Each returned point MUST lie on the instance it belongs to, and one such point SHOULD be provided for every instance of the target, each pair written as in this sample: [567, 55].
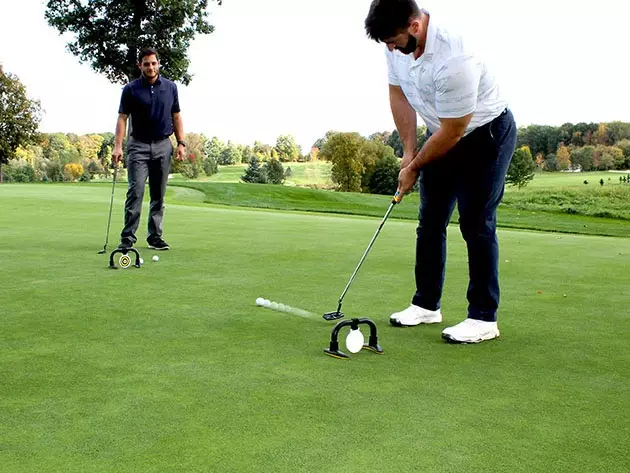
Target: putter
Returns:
[337, 314]
[109, 220]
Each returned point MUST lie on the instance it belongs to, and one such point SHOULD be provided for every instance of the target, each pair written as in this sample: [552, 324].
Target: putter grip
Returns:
[396, 198]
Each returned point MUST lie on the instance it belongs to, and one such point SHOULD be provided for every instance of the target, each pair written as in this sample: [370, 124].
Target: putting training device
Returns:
[354, 342]
[337, 314]
[124, 260]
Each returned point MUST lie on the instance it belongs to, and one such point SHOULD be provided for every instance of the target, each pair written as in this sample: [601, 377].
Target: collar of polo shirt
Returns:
[158, 81]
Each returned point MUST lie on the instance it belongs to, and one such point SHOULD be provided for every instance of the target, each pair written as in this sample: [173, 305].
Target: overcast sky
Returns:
[305, 67]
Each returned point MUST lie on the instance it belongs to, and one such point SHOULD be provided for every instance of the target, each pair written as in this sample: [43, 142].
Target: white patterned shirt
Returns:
[447, 81]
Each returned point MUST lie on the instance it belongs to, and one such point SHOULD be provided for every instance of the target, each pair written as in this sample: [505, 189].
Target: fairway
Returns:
[173, 368]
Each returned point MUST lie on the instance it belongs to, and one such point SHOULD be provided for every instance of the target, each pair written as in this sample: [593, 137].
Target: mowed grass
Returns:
[576, 179]
[530, 217]
[172, 367]
[315, 174]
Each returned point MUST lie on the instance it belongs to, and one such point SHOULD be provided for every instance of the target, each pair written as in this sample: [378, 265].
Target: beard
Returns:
[410, 47]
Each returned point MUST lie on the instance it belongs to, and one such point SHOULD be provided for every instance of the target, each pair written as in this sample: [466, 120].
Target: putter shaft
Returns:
[395, 200]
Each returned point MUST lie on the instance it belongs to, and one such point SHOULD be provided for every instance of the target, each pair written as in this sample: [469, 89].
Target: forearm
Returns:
[121, 127]
[178, 126]
[440, 143]
[405, 120]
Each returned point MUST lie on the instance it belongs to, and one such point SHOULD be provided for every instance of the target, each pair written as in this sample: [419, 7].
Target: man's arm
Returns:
[457, 83]
[178, 125]
[405, 120]
[121, 127]
[442, 141]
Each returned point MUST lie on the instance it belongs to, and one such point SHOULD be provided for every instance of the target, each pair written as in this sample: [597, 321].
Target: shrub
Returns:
[274, 171]
[384, 179]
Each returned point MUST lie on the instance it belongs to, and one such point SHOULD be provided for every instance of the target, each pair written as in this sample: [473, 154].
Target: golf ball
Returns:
[141, 261]
[155, 258]
[260, 301]
[274, 305]
[266, 303]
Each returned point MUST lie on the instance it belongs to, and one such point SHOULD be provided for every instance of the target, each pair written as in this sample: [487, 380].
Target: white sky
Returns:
[305, 67]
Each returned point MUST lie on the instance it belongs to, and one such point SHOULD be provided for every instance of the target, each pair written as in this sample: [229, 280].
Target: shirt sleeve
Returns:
[456, 87]
[125, 100]
[175, 107]
[391, 69]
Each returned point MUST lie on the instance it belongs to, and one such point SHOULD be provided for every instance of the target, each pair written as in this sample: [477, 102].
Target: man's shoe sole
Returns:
[397, 323]
[449, 339]
[151, 247]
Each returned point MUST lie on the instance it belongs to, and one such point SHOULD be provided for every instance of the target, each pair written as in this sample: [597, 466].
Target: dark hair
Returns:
[387, 17]
[147, 52]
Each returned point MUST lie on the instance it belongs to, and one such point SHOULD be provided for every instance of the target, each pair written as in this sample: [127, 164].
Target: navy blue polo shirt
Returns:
[151, 107]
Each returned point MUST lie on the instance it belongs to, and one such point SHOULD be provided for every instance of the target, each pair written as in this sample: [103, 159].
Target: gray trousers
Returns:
[152, 160]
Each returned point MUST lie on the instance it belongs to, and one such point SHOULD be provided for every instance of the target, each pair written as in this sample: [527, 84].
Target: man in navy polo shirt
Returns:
[153, 103]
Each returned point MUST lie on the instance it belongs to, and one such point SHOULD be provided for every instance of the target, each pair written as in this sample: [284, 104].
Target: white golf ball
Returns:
[260, 301]
[266, 303]
[274, 305]
[155, 258]
[141, 261]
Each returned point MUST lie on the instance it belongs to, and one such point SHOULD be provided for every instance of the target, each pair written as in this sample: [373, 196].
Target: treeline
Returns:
[359, 164]
[67, 157]
[583, 146]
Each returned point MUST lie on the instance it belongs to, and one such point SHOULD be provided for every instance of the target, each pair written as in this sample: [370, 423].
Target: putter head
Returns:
[333, 315]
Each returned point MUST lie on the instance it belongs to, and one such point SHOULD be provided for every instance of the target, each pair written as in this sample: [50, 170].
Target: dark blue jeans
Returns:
[473, 175]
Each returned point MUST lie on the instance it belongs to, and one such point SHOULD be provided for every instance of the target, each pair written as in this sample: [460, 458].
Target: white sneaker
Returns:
[471, 331]
[415, 315]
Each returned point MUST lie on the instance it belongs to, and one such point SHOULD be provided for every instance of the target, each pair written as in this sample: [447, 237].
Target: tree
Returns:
[105, 153]
[262, 151]
[624, 146]
[19, 117]
[601, 135]
[109, 35]
[214, 148]
[320, 142]
[343, 150]
[89, 146]
[539, 138]
[583, 157]
[550, 163]
[287, 149]
[254, 173]
[563, 158]
[396, 143]
[231, 154]
[247, 153]
[210, 166]
[381, 136]
[371, 153]
[273, 172]
[384, 179]
[522, 167]
[618, 131]
[608, 157]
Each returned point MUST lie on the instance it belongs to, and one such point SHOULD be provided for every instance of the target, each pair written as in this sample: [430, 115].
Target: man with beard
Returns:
[153, 103]
[472, 136]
